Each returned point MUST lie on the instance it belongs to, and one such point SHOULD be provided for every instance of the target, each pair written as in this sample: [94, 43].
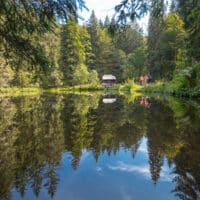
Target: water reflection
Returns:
[145, 101]
[50, 144]
[109, 98]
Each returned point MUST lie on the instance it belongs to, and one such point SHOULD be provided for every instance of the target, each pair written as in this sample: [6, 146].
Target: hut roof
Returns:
[108, 77]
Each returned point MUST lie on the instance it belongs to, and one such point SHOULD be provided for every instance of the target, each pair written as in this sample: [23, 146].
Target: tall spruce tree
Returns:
[72, 51]
[101, 46]
[86, 42]
[154, 32]
[106, 22]
[94, 29]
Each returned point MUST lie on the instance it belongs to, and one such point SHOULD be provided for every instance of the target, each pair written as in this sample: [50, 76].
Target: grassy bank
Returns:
[129, 88]
[77, 88]
[171, 89]
[177, 89]
[16, 91]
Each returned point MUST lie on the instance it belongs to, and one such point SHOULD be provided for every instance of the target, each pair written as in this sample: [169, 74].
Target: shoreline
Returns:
[127, 88]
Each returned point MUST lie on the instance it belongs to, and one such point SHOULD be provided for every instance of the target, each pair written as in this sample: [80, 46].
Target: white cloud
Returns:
[121, 166]
[98, 169]
[165, 175]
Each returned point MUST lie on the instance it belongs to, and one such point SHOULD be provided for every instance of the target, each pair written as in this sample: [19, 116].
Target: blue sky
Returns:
[106, 7]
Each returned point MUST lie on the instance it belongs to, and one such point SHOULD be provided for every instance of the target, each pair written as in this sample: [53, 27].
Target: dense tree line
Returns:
[36, 50]
[173, 38]
[172, 41]
[77, 54]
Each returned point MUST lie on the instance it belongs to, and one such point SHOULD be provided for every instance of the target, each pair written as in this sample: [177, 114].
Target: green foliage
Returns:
[167, 34]
[171, 39]
[75, 55]
[93, 77]
[108, 58]
[51, 45]
[7, 74]
[101, 46]
[16, 91]
[37, 51]
[128, 39]
[55, 79]
[25, 75]
[189, 11]
[181, 61]
[93, 29]
[135, 65]
[20, 21]
[154, 33]
[131, 88]
[196, 67]
[23, 78]
[185, 76]
[117, 59]
[80, 75]
[86, 42]
[72, 51]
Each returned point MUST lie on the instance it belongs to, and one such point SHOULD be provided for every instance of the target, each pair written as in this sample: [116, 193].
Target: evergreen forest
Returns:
[64, 134]
[43, 45]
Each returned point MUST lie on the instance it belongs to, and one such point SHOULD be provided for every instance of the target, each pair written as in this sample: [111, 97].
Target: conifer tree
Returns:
[86, 42]
[94, 29]
[107, 22]
[72, 51]
[154, 31]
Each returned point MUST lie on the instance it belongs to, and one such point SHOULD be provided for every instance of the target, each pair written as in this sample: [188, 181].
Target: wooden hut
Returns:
[108, 80]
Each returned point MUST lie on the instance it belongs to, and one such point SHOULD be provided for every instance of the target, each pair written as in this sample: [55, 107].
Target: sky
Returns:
[101, 8]
[106, 7]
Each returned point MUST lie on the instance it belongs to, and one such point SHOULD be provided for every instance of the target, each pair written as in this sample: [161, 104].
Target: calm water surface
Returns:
[86, 147]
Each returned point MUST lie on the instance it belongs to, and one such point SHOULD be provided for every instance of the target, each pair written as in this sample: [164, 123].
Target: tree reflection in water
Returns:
[35, 131]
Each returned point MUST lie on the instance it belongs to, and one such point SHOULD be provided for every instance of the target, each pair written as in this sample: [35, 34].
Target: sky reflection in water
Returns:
[78, 148]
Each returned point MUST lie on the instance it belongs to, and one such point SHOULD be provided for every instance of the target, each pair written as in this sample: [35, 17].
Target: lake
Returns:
[102, 147]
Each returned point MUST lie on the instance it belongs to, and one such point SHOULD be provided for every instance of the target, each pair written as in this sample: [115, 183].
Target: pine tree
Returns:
[72, 51]
[86, 42]
[155, 27]
[94, 29]
[106, 56]
[107, 22]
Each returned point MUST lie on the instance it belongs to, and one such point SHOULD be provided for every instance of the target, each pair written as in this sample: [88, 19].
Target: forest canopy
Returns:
[42, 43]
